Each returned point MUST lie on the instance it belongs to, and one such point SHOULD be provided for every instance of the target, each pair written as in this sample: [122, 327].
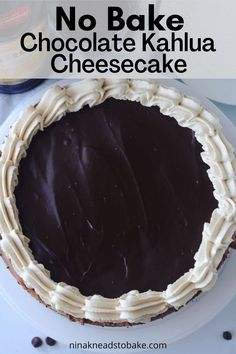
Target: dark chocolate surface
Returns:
[114, 198]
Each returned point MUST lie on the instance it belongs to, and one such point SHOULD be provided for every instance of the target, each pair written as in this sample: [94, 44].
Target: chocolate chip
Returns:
[50, 341]
[36, 342]
[227, 335]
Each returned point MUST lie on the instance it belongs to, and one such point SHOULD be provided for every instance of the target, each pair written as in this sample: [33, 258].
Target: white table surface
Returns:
[16, 333]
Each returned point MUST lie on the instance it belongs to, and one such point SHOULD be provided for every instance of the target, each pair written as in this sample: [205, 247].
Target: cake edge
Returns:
[218, 233]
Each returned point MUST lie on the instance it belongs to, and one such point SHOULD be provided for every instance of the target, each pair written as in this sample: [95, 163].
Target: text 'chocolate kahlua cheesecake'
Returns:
[117, 200]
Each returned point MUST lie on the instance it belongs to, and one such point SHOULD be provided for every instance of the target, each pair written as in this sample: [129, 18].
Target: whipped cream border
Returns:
[133, 307]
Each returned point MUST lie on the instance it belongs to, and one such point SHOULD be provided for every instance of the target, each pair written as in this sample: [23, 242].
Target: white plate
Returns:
[220, 90]
[170, 329]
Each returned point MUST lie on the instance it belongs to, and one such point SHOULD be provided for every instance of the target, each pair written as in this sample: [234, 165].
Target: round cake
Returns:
[122, 206]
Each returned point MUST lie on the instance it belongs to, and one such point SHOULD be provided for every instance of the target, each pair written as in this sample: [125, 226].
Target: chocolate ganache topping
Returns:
[114, 198]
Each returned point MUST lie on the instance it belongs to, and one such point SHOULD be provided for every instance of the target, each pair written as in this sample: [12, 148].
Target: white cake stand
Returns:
[170, 329]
